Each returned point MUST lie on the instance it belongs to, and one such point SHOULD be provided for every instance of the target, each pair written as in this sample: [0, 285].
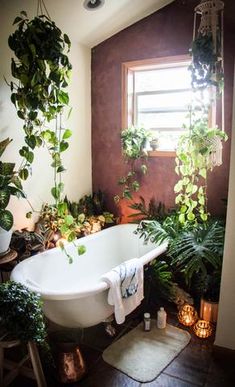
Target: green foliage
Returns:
[192, 166]
[154, 210]
[158, 232]
[21, 312]
[10, 185]
[133, 142]
[42, 71]
[72, 220]
[195, 251]
[89, 205]
[163, 277]
[199, 251]
[206, 66]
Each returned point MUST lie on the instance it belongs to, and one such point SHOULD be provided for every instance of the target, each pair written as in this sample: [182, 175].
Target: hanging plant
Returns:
[206, 67]
[193, 161]
[42, 71]
[207, 45]
[133, 142]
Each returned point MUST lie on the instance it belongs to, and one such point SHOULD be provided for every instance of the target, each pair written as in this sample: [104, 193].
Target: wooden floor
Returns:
[194, 366]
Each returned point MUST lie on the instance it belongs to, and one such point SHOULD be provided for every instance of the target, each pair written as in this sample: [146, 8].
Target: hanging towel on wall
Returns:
[125, 287]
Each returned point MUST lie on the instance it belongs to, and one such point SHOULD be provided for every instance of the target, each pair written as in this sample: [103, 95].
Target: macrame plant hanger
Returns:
[210, 13]
[42, 9]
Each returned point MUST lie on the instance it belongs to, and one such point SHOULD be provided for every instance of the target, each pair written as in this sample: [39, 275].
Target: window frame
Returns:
[128, 97]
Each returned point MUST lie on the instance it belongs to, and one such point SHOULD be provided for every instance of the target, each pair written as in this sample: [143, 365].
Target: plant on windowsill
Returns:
[133, 140]
[10, 185]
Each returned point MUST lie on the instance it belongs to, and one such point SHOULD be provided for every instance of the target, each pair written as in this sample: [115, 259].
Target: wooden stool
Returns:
[16, 369]
[7, 262]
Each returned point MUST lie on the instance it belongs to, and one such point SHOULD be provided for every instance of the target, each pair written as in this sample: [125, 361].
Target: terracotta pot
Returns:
[70, 364]
[209, 310]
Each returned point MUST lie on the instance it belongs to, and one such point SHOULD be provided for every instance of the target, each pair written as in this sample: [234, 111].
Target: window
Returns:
[157, 95]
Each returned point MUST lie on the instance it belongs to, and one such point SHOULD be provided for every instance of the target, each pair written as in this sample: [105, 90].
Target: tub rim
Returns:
[17, 273]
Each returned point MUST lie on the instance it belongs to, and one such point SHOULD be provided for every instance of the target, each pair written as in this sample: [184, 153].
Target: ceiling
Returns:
[88, 27]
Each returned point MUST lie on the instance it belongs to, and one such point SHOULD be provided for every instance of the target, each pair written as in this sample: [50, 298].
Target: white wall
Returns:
[78, 156]
[225, 333]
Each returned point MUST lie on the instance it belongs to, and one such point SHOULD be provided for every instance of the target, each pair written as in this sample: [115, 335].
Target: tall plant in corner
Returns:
[42, 71]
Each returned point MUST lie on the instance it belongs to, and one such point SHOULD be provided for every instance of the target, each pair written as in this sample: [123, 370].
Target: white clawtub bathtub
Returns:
[73, 294]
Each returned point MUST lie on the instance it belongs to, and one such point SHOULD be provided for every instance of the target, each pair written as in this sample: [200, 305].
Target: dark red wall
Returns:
[167, 32]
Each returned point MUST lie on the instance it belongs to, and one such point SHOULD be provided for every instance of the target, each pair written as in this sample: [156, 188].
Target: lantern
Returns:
[202, 329]
[187, 315]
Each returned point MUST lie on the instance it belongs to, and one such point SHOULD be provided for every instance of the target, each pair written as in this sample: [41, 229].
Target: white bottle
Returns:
[161, 318]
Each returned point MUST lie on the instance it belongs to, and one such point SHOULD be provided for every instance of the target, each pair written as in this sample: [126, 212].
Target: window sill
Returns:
[159, 153]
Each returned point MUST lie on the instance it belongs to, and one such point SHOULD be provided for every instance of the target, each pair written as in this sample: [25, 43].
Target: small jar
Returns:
[147, 322]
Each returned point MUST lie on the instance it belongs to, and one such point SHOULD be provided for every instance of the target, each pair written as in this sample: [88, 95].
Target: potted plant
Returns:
[10, 185]
[134, 141]
[206, 67]
[21, 313]
[195, 253]
[154, 143]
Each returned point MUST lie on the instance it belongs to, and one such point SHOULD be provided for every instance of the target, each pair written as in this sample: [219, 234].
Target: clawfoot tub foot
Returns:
[108, 326]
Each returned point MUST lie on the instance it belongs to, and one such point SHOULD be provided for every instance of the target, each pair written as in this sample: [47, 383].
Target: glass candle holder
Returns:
[202, 329]
[187, 315]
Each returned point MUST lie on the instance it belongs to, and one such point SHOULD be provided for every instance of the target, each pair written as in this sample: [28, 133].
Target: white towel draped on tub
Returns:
[126, 287]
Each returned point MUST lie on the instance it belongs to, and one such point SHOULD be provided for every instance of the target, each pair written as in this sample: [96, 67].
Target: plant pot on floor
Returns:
[5, 239]
[209, 310]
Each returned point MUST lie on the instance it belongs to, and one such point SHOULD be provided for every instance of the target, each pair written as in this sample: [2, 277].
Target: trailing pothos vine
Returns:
[192, 166]
[133, 141]
[42, 71]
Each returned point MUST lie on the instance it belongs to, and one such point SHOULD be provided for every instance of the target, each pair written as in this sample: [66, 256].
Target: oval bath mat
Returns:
[143, 355]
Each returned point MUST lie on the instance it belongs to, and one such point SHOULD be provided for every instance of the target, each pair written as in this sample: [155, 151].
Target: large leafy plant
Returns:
[42, 71]
[195, 251]
[21, 312]
[10, 185]
[133, 141]
[198, 251]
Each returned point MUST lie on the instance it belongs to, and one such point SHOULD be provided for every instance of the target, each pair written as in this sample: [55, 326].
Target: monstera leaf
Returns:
[6, 219]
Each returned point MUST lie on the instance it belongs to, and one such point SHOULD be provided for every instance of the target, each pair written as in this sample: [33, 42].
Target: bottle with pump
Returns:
[161, 318]
[147, 322]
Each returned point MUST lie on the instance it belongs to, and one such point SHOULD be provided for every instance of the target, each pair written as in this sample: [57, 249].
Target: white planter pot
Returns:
[5, 239]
